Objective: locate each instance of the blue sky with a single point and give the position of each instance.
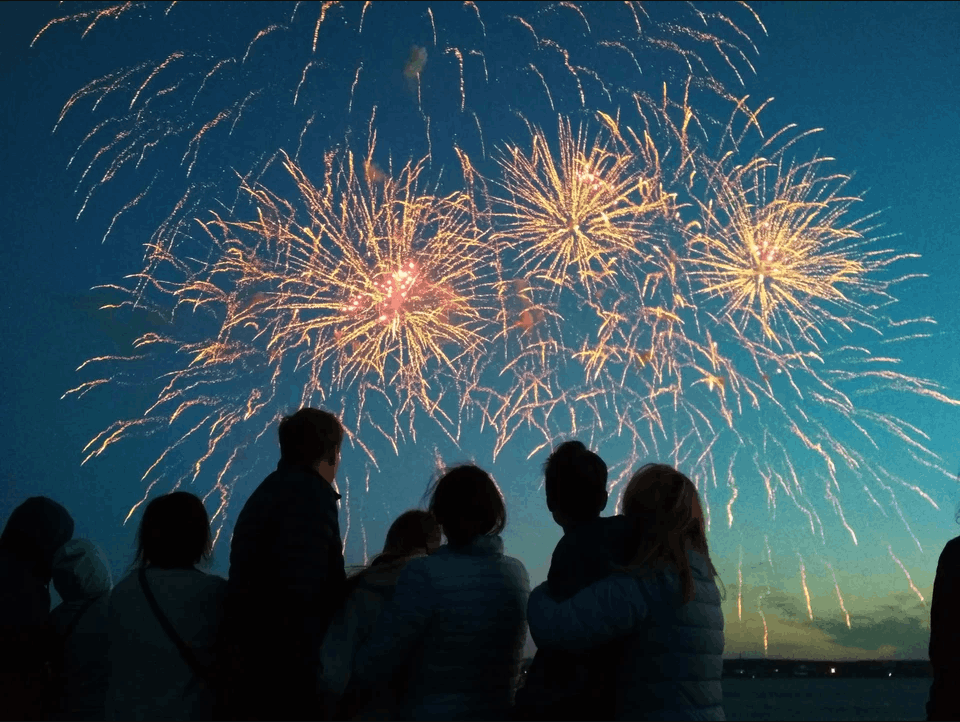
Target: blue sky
(880, 79)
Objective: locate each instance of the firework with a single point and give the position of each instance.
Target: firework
(716, 305)
(576, 214)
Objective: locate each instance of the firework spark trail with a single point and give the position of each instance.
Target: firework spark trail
(907, 574)
(836, 586)
(664, 287)
(803, 583)
(763, 618)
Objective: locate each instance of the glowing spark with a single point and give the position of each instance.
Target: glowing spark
(806, 591)
(907, 574)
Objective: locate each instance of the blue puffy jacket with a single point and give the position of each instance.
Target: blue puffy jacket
(673, 653)
(457, 624)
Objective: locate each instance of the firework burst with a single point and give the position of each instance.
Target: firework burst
(576, 214)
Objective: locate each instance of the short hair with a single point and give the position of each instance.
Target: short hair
(174, 532)
(310, 435)
(467, 503)
(575, 479)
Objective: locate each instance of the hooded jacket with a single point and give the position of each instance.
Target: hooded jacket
(672, 659)
(82, 578)
(457, 624)
(31, 537)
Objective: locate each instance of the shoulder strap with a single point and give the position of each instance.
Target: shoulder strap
(185, 652)
(76, 617)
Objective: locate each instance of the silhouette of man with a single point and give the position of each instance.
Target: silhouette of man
(286, 578)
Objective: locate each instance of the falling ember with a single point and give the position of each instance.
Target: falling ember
(806, 591)
(763, 618)
(836, 585)
(909, 578)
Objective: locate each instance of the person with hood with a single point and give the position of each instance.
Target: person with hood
(664, 607)
(286, 578)
(82, 578)
(456, 623)
(33, 534)
(415, 533)
(164, 618)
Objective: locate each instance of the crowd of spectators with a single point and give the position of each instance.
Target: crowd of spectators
(628, 624)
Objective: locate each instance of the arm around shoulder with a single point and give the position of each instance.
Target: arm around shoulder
(604, 611)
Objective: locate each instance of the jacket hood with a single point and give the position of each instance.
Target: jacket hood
(34, 532)
(80, 571)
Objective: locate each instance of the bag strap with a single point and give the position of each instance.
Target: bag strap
(185, 652)
(76, 617)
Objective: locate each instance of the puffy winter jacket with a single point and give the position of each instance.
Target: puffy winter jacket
(457, 623)
(350, 627)
(673, 652)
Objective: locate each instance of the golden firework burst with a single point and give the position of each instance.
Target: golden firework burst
(574, 214)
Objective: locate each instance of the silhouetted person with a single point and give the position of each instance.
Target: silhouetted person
(82, 578)
(286, 577)
(34, 532)
(577, 685)
(456, 622)
(164, 617)
(415, 533)
(944, 703)
(664, 605)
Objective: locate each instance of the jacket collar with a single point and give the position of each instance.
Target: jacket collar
(481, 545)
(289, 467)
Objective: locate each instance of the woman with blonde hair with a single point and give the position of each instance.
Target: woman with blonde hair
(664, 607)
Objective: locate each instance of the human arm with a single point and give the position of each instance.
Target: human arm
(602, 612)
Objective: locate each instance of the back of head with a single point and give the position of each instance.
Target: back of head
(668, 505)
(80, 571)
(575, 479)
(310, 435)
(174, 532)
(467, 503)
(34, 532)
(413, 531)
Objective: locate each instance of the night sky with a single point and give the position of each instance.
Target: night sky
(881, 80)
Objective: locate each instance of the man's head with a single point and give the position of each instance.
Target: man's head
(576, 482)
(312, 438)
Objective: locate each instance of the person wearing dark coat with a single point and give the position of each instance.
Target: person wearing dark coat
(562, 684)
(944, 702)
(286, 578)
(33, 534)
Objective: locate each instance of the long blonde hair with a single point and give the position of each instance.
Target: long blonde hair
(670, 501)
